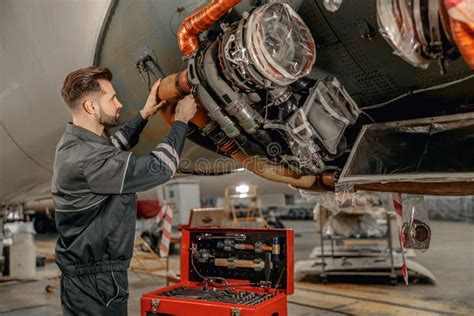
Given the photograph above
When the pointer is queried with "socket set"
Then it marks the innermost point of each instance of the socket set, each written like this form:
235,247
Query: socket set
217,295
228,271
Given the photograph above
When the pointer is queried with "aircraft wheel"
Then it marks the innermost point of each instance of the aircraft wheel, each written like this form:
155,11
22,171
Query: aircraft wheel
393,281
41,224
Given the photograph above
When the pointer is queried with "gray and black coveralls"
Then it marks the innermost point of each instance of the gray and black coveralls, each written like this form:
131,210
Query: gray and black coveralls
94,183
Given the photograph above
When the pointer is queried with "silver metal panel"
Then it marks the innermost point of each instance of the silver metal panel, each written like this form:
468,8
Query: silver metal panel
349,173
40,43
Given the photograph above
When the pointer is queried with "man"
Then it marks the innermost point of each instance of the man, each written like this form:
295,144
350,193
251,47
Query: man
94,183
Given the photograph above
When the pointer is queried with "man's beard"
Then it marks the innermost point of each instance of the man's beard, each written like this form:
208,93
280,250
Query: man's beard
108,121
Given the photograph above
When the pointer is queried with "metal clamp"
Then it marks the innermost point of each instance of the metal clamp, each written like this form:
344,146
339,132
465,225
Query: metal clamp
234,311
155,303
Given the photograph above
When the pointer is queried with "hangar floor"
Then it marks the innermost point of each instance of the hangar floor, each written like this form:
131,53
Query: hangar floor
450,258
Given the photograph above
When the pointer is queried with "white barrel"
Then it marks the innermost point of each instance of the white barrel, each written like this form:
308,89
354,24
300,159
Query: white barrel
22,256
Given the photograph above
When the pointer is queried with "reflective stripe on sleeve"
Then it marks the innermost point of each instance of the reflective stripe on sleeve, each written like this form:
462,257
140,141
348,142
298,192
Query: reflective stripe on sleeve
115,142
125,172
165,159
170,150
123,140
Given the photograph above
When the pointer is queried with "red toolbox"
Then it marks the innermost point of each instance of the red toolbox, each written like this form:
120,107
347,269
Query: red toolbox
229,271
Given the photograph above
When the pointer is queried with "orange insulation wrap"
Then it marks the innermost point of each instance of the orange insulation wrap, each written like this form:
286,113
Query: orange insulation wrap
200,119
200,21
170,92
167,113
169,89
184,82
463,34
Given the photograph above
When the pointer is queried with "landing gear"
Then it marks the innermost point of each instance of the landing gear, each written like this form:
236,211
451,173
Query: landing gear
43,223
393,281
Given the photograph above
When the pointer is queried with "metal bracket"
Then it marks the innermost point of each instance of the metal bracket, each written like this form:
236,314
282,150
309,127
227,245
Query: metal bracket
145,57
365,30
234,311
155,303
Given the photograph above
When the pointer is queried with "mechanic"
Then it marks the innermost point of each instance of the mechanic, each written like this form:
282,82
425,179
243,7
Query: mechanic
94,183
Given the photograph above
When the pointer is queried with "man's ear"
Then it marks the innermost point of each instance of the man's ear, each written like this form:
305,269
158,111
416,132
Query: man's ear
88,106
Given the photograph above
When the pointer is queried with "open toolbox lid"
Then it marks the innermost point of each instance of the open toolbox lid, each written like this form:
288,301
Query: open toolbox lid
259,258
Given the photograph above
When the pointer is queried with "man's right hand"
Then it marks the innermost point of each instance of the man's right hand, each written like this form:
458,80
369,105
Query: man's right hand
185,109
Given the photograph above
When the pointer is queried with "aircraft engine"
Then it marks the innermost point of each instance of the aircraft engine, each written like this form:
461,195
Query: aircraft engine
251,77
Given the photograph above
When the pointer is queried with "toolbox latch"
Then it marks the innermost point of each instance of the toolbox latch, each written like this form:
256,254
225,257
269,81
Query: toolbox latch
234,311
155,303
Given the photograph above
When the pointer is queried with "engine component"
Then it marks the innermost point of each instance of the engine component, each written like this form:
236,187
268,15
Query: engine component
416,30
327,112
236,104
416,235
208,102
198,22
332,5
461,24
243,79
271,47
396,25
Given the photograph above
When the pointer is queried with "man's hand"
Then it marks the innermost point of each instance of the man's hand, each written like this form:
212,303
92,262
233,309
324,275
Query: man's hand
151,107
185,109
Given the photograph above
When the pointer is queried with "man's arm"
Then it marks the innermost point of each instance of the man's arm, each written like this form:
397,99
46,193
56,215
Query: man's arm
111,171
127,137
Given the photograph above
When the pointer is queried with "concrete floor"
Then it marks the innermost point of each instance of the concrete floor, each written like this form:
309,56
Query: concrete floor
450,258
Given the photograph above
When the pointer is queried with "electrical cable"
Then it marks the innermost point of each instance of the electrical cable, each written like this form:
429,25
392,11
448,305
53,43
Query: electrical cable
266,105
368,116
278,282
148,79
208,279
436,87
23,150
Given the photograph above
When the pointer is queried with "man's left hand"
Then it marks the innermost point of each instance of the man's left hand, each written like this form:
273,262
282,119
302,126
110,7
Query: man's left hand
151,107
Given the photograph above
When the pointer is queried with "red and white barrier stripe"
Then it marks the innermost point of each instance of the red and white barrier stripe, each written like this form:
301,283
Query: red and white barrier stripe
167,212
161,214
397,205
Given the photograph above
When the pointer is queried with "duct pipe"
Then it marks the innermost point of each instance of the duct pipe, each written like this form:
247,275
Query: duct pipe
173,88
464,37
279,173
200,21
236,104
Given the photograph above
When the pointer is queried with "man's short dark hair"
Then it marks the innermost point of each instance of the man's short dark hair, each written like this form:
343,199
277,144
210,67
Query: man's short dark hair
81,82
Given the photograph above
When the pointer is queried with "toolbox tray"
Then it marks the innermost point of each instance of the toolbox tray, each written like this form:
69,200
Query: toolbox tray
256,283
